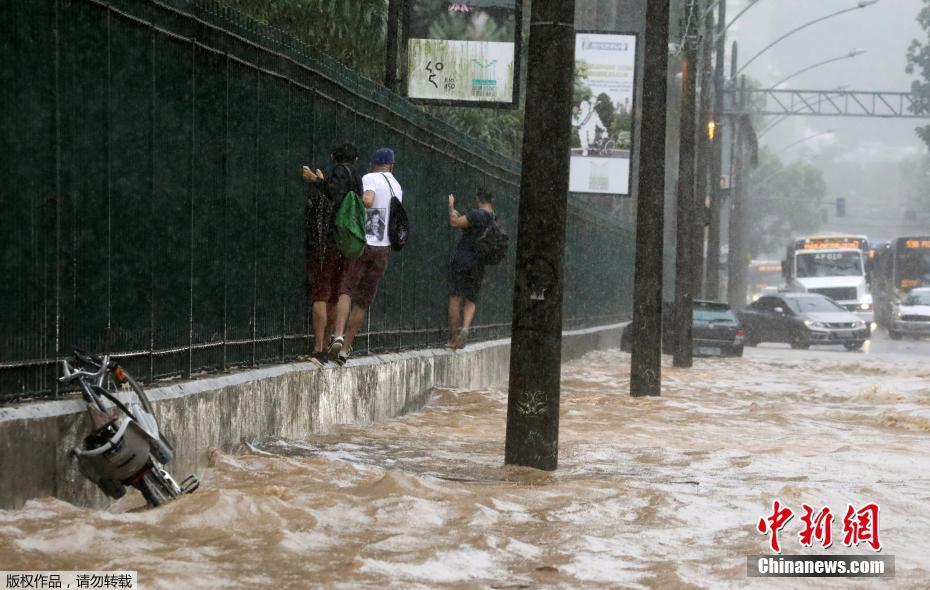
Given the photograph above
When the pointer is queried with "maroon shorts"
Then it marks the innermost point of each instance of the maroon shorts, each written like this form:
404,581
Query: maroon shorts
325,272
361,277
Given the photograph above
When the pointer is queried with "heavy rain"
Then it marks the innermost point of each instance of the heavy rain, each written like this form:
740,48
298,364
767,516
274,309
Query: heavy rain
481,294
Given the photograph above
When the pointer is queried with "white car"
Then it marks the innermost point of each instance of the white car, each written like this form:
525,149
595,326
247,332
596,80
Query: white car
911,317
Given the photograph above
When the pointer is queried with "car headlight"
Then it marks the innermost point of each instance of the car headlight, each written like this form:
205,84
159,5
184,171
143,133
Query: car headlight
865,306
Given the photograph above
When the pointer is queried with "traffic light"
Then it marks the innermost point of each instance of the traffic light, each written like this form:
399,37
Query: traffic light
841,206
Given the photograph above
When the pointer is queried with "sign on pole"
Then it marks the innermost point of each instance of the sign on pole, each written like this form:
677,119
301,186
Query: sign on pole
602,113
464,53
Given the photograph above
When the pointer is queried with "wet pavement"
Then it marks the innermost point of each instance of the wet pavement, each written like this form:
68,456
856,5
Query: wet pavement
651,493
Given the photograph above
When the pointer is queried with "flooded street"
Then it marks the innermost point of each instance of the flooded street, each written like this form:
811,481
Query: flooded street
656,493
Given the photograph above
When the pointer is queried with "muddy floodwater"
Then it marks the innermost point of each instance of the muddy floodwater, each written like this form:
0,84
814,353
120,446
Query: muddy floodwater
658,493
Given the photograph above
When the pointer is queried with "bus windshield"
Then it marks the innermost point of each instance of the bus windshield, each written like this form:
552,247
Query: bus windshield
829,264
913,268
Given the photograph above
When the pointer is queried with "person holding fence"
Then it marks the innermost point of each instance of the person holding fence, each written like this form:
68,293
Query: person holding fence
466,269
361,278
325,263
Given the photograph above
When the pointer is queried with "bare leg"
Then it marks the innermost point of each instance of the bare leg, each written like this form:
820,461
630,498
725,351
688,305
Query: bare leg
343,306
356,318
455,311
319,325
469,314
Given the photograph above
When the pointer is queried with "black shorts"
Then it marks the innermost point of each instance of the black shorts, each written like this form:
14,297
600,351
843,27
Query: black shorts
465,280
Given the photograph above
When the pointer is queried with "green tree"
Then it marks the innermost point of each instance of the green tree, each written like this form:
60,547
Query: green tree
351,31
918,61
784,200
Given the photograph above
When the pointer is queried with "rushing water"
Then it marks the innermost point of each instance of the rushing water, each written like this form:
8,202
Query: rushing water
659,492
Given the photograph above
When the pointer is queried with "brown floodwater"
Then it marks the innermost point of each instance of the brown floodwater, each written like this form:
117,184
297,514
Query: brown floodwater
656,493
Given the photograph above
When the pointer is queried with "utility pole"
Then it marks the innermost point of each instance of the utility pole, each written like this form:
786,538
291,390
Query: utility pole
712,287
684,256
536,342
646,363
390,63
701,195
736,261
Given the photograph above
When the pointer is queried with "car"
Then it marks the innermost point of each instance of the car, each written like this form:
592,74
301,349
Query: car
802,320
911,316
715,331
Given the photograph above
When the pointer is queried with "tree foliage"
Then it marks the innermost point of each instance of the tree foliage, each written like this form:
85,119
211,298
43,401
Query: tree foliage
785,200
918,61
351,31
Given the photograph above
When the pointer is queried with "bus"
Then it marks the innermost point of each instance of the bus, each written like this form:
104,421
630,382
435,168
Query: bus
836,266
764,277
901,265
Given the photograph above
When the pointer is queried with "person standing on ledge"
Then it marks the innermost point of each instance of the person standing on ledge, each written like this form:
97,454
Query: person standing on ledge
361,277
466,269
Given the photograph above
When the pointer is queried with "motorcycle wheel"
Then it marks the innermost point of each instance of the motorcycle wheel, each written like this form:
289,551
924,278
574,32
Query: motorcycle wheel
155,488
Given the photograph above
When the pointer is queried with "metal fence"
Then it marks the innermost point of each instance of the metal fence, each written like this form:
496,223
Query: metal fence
152,204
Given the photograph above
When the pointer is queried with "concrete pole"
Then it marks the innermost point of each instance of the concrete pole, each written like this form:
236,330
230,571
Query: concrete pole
737,261
701,193
536,344
684,255
646,364
712,286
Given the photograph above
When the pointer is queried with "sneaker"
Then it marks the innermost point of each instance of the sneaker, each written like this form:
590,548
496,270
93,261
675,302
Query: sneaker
450,345
319,359
342,358
461,339
335,347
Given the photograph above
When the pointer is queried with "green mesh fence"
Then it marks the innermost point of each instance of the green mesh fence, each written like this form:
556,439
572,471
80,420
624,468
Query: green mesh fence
153,205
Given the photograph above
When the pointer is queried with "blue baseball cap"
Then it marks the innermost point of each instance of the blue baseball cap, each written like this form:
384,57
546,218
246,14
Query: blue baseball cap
382,156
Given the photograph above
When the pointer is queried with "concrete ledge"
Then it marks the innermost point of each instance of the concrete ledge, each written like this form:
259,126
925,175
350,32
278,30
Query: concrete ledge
283,401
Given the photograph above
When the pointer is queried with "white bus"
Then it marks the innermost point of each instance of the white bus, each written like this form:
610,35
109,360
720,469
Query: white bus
836,266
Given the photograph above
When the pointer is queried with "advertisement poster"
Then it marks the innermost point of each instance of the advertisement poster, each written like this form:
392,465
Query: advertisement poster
602,113
463,52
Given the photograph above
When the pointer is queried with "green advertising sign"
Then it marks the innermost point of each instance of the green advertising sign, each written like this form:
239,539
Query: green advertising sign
464,53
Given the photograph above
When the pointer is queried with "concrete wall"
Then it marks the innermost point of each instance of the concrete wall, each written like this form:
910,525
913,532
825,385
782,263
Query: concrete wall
285,401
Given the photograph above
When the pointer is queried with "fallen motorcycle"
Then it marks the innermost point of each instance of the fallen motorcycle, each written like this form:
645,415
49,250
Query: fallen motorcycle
125,447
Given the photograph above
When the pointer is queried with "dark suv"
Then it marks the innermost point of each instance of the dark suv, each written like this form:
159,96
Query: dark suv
801,320
715,331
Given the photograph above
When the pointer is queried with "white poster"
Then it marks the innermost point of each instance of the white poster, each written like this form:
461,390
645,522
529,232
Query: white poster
463,52
602,113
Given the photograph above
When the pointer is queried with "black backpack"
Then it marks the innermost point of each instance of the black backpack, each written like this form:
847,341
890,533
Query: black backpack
491,246
398,224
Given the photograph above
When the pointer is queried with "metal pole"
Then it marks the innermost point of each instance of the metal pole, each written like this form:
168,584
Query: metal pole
536,342
712,287
646,363
390,62
684,256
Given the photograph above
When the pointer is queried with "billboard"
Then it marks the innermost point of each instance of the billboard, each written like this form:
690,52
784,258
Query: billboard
464,53
602,113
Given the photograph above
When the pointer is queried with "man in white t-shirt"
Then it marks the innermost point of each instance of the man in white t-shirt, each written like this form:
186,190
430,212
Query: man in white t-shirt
361,277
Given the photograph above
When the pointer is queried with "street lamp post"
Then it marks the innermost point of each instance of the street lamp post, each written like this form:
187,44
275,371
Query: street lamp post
862,4
849,55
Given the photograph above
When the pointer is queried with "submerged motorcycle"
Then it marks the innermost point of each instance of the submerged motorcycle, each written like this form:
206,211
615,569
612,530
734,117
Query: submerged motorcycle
125,447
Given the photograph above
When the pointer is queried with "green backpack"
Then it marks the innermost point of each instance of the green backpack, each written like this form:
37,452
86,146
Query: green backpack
349,227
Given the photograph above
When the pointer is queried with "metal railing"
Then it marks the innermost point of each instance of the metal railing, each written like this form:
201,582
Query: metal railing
153,206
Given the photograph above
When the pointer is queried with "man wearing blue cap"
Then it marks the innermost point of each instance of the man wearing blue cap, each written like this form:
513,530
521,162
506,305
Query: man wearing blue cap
361,278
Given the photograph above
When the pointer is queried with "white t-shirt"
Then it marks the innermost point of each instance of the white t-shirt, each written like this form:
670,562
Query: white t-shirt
377,216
